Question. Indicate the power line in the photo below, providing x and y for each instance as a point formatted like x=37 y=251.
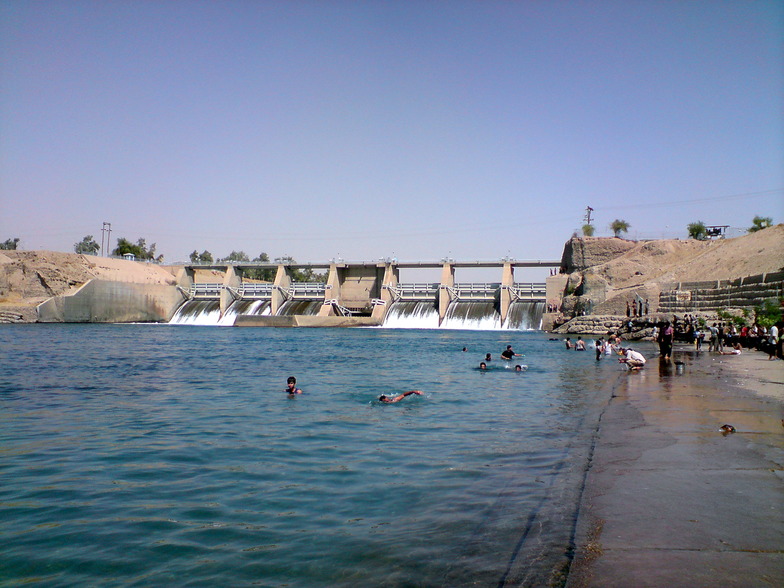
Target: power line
x=695 y=200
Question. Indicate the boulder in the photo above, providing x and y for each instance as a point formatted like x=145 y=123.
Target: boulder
x=581 y=253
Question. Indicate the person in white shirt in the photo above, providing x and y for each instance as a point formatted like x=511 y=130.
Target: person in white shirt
x=633 y=359
x=736 y=350
x=773 y=341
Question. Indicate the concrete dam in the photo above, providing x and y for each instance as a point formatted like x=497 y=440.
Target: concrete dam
x=362 y=294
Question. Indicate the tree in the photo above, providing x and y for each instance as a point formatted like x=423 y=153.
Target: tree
x=588 y=230
x=769 y=312
x=619 y=226
x=10 y=244
x=268 y=275
x=138 y=250
x=301 y=275
x=203 y=257
x=87 y=246
x=697 y=230
x=759 y=223
x=236 y=256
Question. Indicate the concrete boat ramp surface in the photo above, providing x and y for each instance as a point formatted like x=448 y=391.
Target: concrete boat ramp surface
x=669 y=499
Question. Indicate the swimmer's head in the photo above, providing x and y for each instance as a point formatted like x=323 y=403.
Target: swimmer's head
x=291 y=380
x=382 y=398
x=518 y=368
x=482 y=365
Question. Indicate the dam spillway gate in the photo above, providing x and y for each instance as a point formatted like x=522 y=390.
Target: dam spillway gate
x=366 y=294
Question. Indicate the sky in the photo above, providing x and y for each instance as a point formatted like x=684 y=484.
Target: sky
x=415 y=130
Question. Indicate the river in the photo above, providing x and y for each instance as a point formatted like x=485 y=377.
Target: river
x=163 y=454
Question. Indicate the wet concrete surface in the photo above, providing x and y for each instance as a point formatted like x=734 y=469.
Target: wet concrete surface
x=671 y=501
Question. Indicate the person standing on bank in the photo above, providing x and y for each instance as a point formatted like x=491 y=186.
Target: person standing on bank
x=666 y=336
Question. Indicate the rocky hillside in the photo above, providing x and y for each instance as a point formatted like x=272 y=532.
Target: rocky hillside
x=606 y=273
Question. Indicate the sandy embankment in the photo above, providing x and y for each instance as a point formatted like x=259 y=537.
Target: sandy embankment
x=28 y=278
x=671 y=501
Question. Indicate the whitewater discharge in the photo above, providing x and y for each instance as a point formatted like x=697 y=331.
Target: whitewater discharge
x=473 y=316
x=207 y=312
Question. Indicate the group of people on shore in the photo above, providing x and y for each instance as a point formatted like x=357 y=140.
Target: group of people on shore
x=724 y=338
x=633 y=359
x=720 y=335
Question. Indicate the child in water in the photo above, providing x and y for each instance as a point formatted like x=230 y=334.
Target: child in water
x=291 y=386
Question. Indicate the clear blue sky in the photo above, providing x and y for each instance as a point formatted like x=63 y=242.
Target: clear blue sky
x=371 y=129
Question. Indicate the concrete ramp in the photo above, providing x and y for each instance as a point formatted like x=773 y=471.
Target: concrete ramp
x=306 y=321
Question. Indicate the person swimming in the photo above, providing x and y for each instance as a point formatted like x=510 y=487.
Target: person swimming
x=509 y=353
x=291 y=386
x=399 y=397
x=482 y=365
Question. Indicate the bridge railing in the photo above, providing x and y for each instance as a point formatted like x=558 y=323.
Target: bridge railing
x=416 y=291
x=206 y=290
x=299 y=290
x=475 y=290
x=307 y=289
x=528 y=291
x=252 y=290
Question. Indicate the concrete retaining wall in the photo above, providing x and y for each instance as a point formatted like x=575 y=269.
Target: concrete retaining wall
x=104 y=301
x=745 y=292
x=305 y=321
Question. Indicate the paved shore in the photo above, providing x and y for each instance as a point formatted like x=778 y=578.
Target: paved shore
x=671 y=501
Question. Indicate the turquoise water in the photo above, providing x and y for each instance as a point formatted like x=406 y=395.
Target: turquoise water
x=160 y=454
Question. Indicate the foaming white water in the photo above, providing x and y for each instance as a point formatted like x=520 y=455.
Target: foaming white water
x=412 y=315
x=483 y=323
x=474 y=316
x=197 y=312
x=207 y=312
x=254 y=307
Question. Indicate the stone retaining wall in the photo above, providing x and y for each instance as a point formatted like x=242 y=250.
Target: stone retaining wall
x=631 y=328
x=745 y=292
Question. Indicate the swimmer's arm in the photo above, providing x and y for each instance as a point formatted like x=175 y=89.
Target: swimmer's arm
x=409 y=393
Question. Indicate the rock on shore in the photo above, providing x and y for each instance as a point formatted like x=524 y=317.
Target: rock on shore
x=603 y=275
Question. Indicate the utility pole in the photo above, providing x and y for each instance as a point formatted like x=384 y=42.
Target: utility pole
x=588 y=211
x=106 y=236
